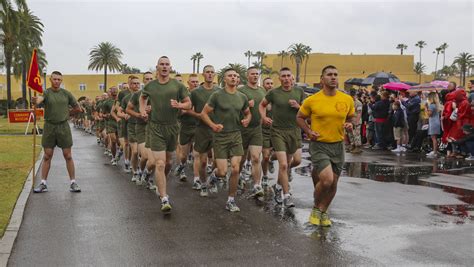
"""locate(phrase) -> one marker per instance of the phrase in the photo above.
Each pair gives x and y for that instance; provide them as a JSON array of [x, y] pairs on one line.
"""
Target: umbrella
[[354, 81], [411, 83], [396, 86], [426, 87], [443, 84], [380, 78], [81, 98]]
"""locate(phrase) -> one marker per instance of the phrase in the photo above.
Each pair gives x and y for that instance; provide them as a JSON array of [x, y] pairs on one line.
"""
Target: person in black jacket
[[398, 121], [413, 112], [380, 113]]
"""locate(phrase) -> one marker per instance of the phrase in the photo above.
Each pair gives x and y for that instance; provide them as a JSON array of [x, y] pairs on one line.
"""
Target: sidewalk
[[113, 222]]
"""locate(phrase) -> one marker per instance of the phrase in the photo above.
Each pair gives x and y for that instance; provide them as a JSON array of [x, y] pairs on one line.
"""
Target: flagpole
[[34, 140]]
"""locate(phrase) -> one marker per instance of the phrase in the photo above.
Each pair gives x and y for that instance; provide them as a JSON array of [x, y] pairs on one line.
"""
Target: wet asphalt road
[[414, 218]]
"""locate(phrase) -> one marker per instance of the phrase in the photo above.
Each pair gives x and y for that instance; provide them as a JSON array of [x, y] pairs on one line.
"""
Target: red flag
[[34, 76]]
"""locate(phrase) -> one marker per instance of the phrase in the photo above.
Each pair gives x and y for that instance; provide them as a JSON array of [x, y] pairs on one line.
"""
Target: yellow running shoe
[[315, 217], [325, 221], [165, 206]]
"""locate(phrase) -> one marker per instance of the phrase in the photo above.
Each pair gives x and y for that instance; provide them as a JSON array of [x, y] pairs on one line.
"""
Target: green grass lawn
[[15, 128], [16, 154]]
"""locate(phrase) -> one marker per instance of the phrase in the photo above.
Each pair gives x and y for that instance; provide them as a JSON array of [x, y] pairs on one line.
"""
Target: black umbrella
[[380, 78], [81, 98], [354, 81]]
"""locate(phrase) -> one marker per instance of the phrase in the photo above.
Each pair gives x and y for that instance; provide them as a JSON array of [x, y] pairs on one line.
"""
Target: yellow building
[[349, 66]]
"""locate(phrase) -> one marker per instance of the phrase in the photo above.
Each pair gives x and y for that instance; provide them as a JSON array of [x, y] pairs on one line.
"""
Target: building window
[[101, 86], [82, 87]]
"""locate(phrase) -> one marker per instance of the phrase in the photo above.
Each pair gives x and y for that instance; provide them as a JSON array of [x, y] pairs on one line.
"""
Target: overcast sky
[[223, 30]]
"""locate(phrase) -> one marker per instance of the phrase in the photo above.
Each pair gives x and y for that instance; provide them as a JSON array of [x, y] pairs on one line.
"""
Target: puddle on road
[[411, 175]]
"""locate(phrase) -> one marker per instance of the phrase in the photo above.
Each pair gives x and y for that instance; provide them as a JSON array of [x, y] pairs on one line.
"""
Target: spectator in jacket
[[413, 111], [380, 112]]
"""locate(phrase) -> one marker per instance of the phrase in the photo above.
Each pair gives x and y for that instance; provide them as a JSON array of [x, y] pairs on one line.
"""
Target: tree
[[419, 69], [194, 58], [125, 69], [437, 51], [298, 52], [282, 54], [447, 71], [421, 45], [199, 56], [402, 47], [306, 59], [443, 47], [105, 56], [239, 68], [248, 55], [464, 61], [260, 56]]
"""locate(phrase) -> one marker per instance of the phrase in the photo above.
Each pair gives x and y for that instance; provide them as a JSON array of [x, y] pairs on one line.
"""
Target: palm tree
[[419, 69], [437, 51], [240, 69], [298, 53], [421, 45], [464, 61], [443, 47], [194, 58], [306, 59], [447, 71], [107, 57], [29, 38], [199, 56], [402, 47], [282, 54], [248, 55], [9, 32]]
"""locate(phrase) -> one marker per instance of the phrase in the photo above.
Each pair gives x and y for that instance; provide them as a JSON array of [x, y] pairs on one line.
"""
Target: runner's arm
[[207, 120], [130, 110], [301, 121], [142, 108], [262, 109]]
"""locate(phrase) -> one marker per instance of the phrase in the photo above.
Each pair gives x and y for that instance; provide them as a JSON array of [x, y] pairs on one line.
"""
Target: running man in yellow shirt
[[330, 111]]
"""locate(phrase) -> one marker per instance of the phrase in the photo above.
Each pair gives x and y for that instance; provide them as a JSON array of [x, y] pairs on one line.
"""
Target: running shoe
[[204, 192], [165, 206], [325, 221], [74, 188], [41, 188], [231, 206], [277, 194], [264, 180], [257, 191], [179, 169], [135, 177], [315, 217], [213, 184], [288, 202], [182, 177], [271, 167], [197, 185]]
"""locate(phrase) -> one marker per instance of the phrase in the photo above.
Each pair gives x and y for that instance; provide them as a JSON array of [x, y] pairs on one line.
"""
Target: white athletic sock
[[73, 181], [286, 195], [196, 178], [43, 181], [229, 199], [163, 199], [278, 186]]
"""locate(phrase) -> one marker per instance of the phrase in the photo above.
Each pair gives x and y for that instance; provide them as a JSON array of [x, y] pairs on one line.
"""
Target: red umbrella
[[396, 86]]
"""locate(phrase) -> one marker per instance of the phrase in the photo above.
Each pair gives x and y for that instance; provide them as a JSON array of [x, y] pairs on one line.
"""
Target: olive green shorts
[[203, 139], [56, 135], [163, 137], [266, 134], [132, 138], [251, 137], [186, 134], [101, 125], [111, 126], [325, 154], [140, 132], [147, 135], [228, 145], [123, 129], [287, 140]]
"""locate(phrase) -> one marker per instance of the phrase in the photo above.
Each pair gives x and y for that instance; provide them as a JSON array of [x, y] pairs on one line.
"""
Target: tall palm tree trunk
[[8, 64], [305, 67], [436, 67], [23, 85], [420, 55], [298, 71], [198, 65], [105, 78]]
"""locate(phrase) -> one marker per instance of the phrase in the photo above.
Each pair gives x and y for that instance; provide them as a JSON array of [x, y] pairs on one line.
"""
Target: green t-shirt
[[124, 102], [257, 96], [228, 109], [199, 98], [283, 115], [123, 94], [107, 108], [160, 96], [135, 100], [56, 105]]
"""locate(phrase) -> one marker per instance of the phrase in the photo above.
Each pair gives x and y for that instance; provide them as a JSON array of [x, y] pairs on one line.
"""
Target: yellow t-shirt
[[328, 114]]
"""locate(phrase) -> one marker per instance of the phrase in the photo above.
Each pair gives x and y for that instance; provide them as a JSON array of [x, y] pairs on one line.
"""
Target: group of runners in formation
[[221, 129]]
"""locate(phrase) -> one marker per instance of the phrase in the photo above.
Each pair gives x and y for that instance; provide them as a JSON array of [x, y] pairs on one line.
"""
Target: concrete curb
[[8, 239]]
